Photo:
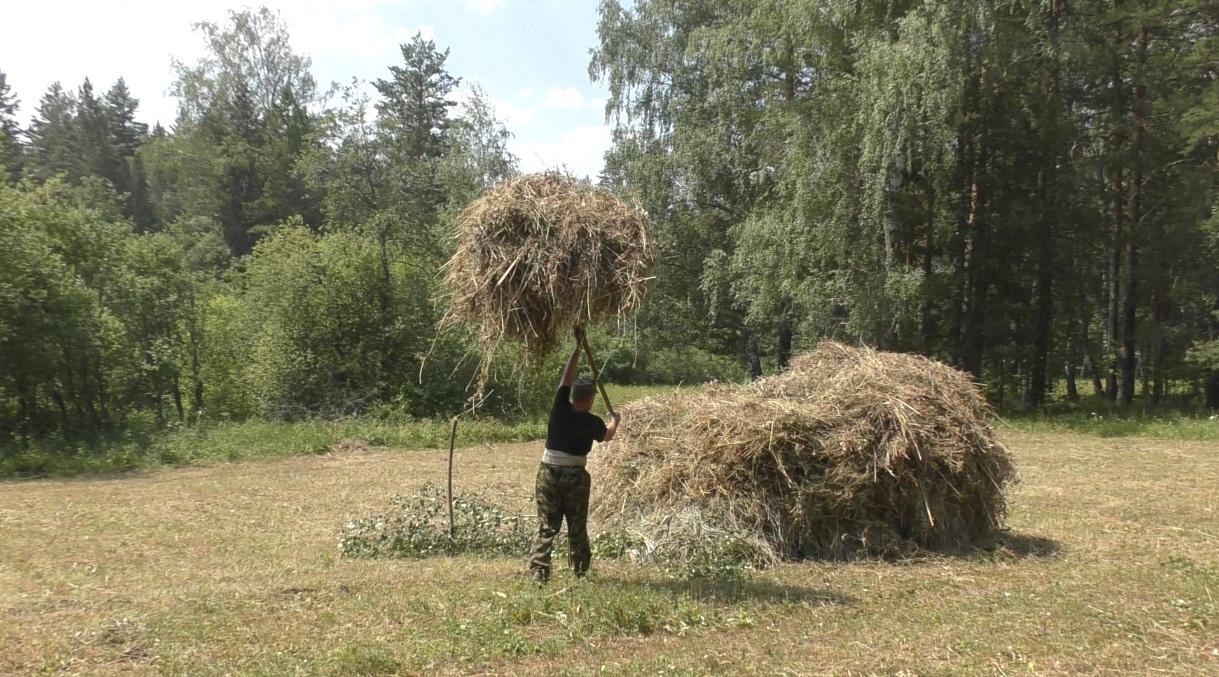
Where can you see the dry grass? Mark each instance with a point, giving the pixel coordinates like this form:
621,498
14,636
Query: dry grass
233,569
541,254
849,452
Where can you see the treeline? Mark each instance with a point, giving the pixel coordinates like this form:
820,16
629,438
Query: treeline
273,254
1024,189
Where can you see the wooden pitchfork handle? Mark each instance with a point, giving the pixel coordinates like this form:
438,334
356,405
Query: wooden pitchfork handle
592,362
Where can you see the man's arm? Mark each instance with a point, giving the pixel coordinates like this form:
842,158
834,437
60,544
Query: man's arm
615,419
573,362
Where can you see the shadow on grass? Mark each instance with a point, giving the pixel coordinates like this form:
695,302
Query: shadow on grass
1026,546
736,590
1003,546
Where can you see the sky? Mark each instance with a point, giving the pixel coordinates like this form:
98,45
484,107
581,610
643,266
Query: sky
529,56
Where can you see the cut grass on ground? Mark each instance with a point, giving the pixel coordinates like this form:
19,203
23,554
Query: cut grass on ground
234,569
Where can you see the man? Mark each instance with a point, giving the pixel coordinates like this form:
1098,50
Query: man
563,483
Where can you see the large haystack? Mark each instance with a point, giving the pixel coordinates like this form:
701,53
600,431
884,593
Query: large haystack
544,253
850,451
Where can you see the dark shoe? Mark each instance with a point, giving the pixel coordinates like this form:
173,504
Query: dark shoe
540,577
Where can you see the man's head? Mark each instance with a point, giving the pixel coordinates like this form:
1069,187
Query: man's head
583,391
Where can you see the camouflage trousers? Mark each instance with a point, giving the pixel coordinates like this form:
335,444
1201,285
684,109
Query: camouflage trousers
562,493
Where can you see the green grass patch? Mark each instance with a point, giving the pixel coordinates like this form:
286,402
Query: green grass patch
1114,422
210,443
521,619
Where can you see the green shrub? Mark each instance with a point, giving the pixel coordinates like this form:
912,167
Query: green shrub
416,526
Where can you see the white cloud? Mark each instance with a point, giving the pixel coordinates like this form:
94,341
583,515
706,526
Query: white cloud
511,114
485,7
320,29
102,44
566,98
563,97
554,126
580,150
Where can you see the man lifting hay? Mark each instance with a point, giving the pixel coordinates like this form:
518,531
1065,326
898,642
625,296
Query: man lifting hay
536,257
563,483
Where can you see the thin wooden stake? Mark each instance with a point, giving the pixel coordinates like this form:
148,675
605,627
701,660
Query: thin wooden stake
592,362
452,441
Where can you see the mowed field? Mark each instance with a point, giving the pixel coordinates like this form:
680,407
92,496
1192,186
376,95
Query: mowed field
1112,567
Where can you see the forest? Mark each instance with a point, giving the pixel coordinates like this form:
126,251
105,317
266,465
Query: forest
1024,189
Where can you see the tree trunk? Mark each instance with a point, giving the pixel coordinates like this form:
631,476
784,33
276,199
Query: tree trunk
959,237
177,393
751,354
975,257
196,372
1092,362
1129,295
785,333
1071,364
383,300
26,402
1157,349
1212,391
62,406
926,331
1118,202
1047,222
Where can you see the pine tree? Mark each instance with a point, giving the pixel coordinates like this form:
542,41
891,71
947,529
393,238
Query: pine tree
11,151
226,142
127,170
415,106
52,134
413,118
126,132
96,154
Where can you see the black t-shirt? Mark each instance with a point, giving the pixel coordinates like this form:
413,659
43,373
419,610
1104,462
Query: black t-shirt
569,430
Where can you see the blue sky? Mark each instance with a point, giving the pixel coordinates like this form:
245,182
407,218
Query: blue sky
530,56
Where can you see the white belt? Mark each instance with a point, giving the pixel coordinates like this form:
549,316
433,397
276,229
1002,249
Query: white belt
554,457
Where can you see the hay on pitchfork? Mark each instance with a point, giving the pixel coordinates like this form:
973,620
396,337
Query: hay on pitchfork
849,452
542,254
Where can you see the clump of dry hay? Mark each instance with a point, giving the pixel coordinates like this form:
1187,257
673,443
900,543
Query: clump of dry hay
541,254
849,452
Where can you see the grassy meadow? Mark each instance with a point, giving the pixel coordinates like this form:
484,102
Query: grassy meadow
1112,566
210,442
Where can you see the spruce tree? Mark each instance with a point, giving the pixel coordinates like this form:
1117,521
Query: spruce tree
11,151
52,134
125,136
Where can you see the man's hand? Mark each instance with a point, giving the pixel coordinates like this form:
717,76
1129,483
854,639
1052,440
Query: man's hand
612,428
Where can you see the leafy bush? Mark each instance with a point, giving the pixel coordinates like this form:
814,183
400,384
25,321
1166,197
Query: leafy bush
416,526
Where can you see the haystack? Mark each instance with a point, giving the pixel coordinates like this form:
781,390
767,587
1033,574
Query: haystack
849,452
541,254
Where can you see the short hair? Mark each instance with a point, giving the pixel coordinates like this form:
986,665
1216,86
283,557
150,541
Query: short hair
582,389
